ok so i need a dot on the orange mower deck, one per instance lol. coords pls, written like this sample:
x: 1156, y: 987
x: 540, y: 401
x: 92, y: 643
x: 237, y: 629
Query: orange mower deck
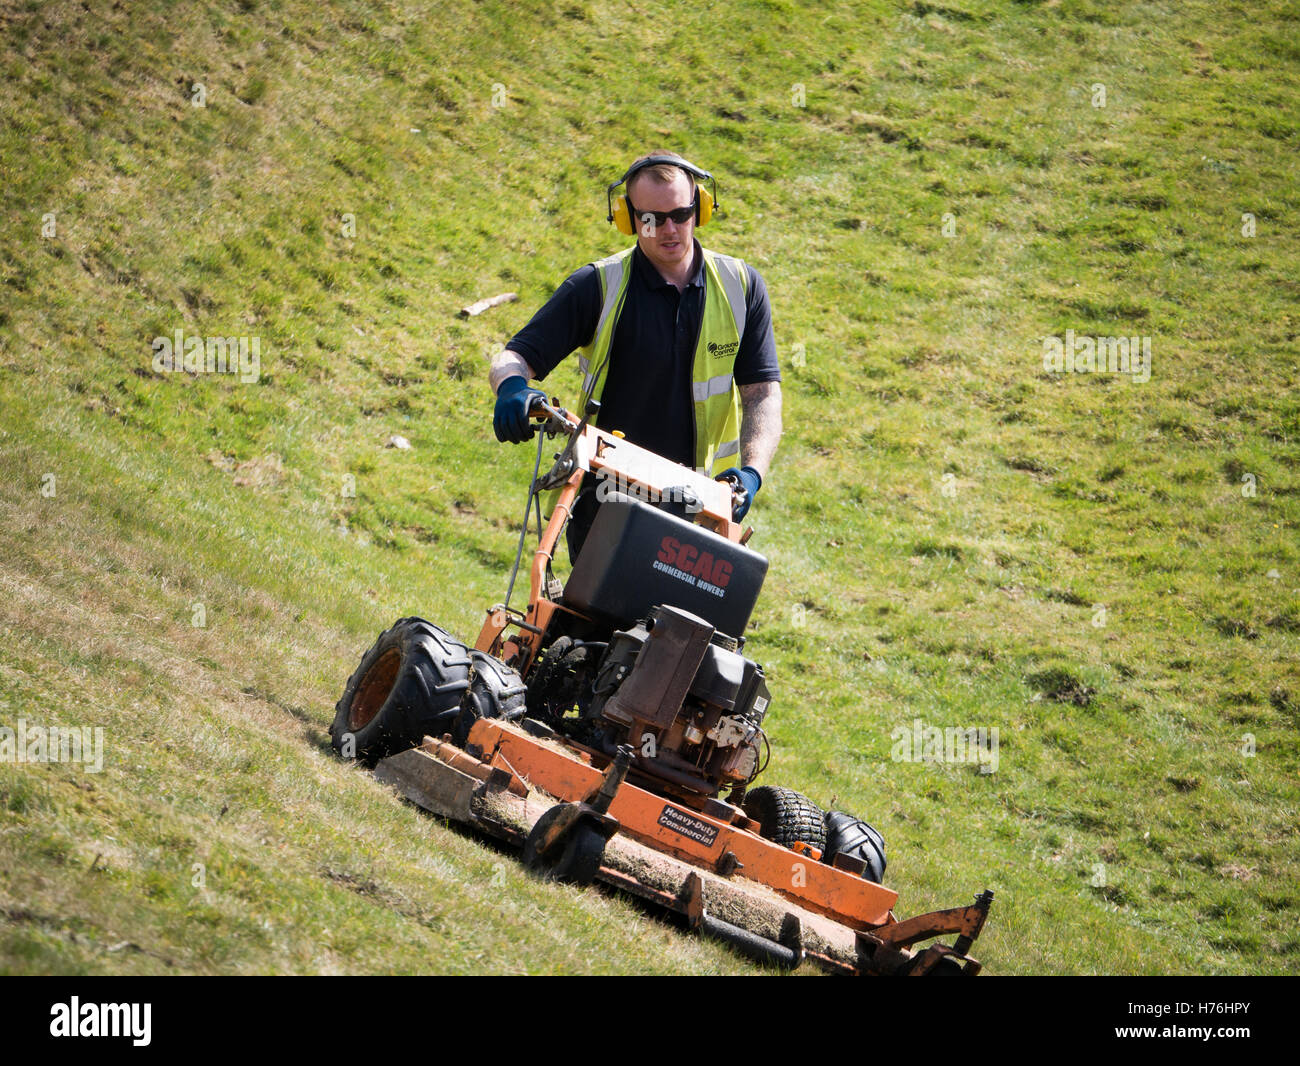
x: 774, y: 904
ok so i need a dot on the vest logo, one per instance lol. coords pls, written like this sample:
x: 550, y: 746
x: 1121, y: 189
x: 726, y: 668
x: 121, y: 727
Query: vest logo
x: 720, y: 351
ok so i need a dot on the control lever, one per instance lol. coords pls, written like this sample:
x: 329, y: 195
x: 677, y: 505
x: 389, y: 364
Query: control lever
x: 592, y: 410
x: 540, y: 407
x: 565, y: 463
x: 738, y: 493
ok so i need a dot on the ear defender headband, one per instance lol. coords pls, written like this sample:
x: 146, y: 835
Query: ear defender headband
x: 706, y: 202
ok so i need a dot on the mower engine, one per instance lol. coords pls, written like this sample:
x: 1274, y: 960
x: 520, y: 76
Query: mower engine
x: 684, y: 698
x: 655, y: 664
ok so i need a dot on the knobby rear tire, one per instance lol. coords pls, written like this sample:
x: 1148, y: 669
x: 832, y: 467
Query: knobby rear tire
x: 411, y: 683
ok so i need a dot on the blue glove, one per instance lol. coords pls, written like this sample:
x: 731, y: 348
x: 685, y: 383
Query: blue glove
x: 510, y: 419
x: 748, y: 479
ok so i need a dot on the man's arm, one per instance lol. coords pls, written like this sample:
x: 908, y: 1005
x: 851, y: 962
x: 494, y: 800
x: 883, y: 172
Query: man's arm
x: 565, y: 322
x: 760, y: 424
x: 508, y: 364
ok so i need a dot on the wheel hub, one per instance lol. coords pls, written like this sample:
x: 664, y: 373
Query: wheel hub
x: 373, y: 691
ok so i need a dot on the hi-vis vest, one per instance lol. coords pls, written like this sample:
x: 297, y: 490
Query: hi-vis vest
x: 715, y: 395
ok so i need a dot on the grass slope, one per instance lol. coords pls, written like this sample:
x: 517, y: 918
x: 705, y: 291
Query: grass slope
x: 1106, y: 571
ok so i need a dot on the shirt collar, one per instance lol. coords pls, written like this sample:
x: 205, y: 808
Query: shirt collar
x: 654, y: 280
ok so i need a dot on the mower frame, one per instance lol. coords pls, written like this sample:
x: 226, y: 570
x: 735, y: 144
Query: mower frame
x: 579, y: 818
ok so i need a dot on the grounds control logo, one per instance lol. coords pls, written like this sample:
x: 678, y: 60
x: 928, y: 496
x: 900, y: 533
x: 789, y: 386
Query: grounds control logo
x: 720, y: 350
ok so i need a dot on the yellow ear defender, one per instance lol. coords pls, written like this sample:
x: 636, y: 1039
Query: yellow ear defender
x: 706, y: 201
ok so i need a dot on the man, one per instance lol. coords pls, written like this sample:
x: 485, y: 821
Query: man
x: 677, y: 342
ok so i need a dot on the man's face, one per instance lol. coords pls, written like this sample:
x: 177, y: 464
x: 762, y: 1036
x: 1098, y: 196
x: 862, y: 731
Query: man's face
x: 668, y: 245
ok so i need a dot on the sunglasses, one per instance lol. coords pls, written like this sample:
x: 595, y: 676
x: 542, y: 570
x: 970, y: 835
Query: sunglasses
x: 680, y: 215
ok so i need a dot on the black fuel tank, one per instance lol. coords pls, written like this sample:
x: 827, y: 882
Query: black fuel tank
x: 637, y: 556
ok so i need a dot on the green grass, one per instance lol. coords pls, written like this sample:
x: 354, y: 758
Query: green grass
x: 1106, y: 571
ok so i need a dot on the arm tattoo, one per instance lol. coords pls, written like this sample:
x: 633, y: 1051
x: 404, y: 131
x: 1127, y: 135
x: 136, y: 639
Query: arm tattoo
x: 760, y: 426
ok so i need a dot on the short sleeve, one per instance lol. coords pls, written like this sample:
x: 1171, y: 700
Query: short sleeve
x: 757, y: 359
x: 566, y: 322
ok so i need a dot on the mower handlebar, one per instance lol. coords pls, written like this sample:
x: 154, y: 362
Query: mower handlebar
x: 559, y: 420
x: 539, y: 408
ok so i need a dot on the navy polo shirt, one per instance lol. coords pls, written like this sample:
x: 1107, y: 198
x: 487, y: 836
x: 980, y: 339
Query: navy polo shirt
x: 647, y: 390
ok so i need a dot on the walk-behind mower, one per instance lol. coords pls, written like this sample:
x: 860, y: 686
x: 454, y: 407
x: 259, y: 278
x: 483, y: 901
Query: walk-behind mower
x: 600, y: 729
